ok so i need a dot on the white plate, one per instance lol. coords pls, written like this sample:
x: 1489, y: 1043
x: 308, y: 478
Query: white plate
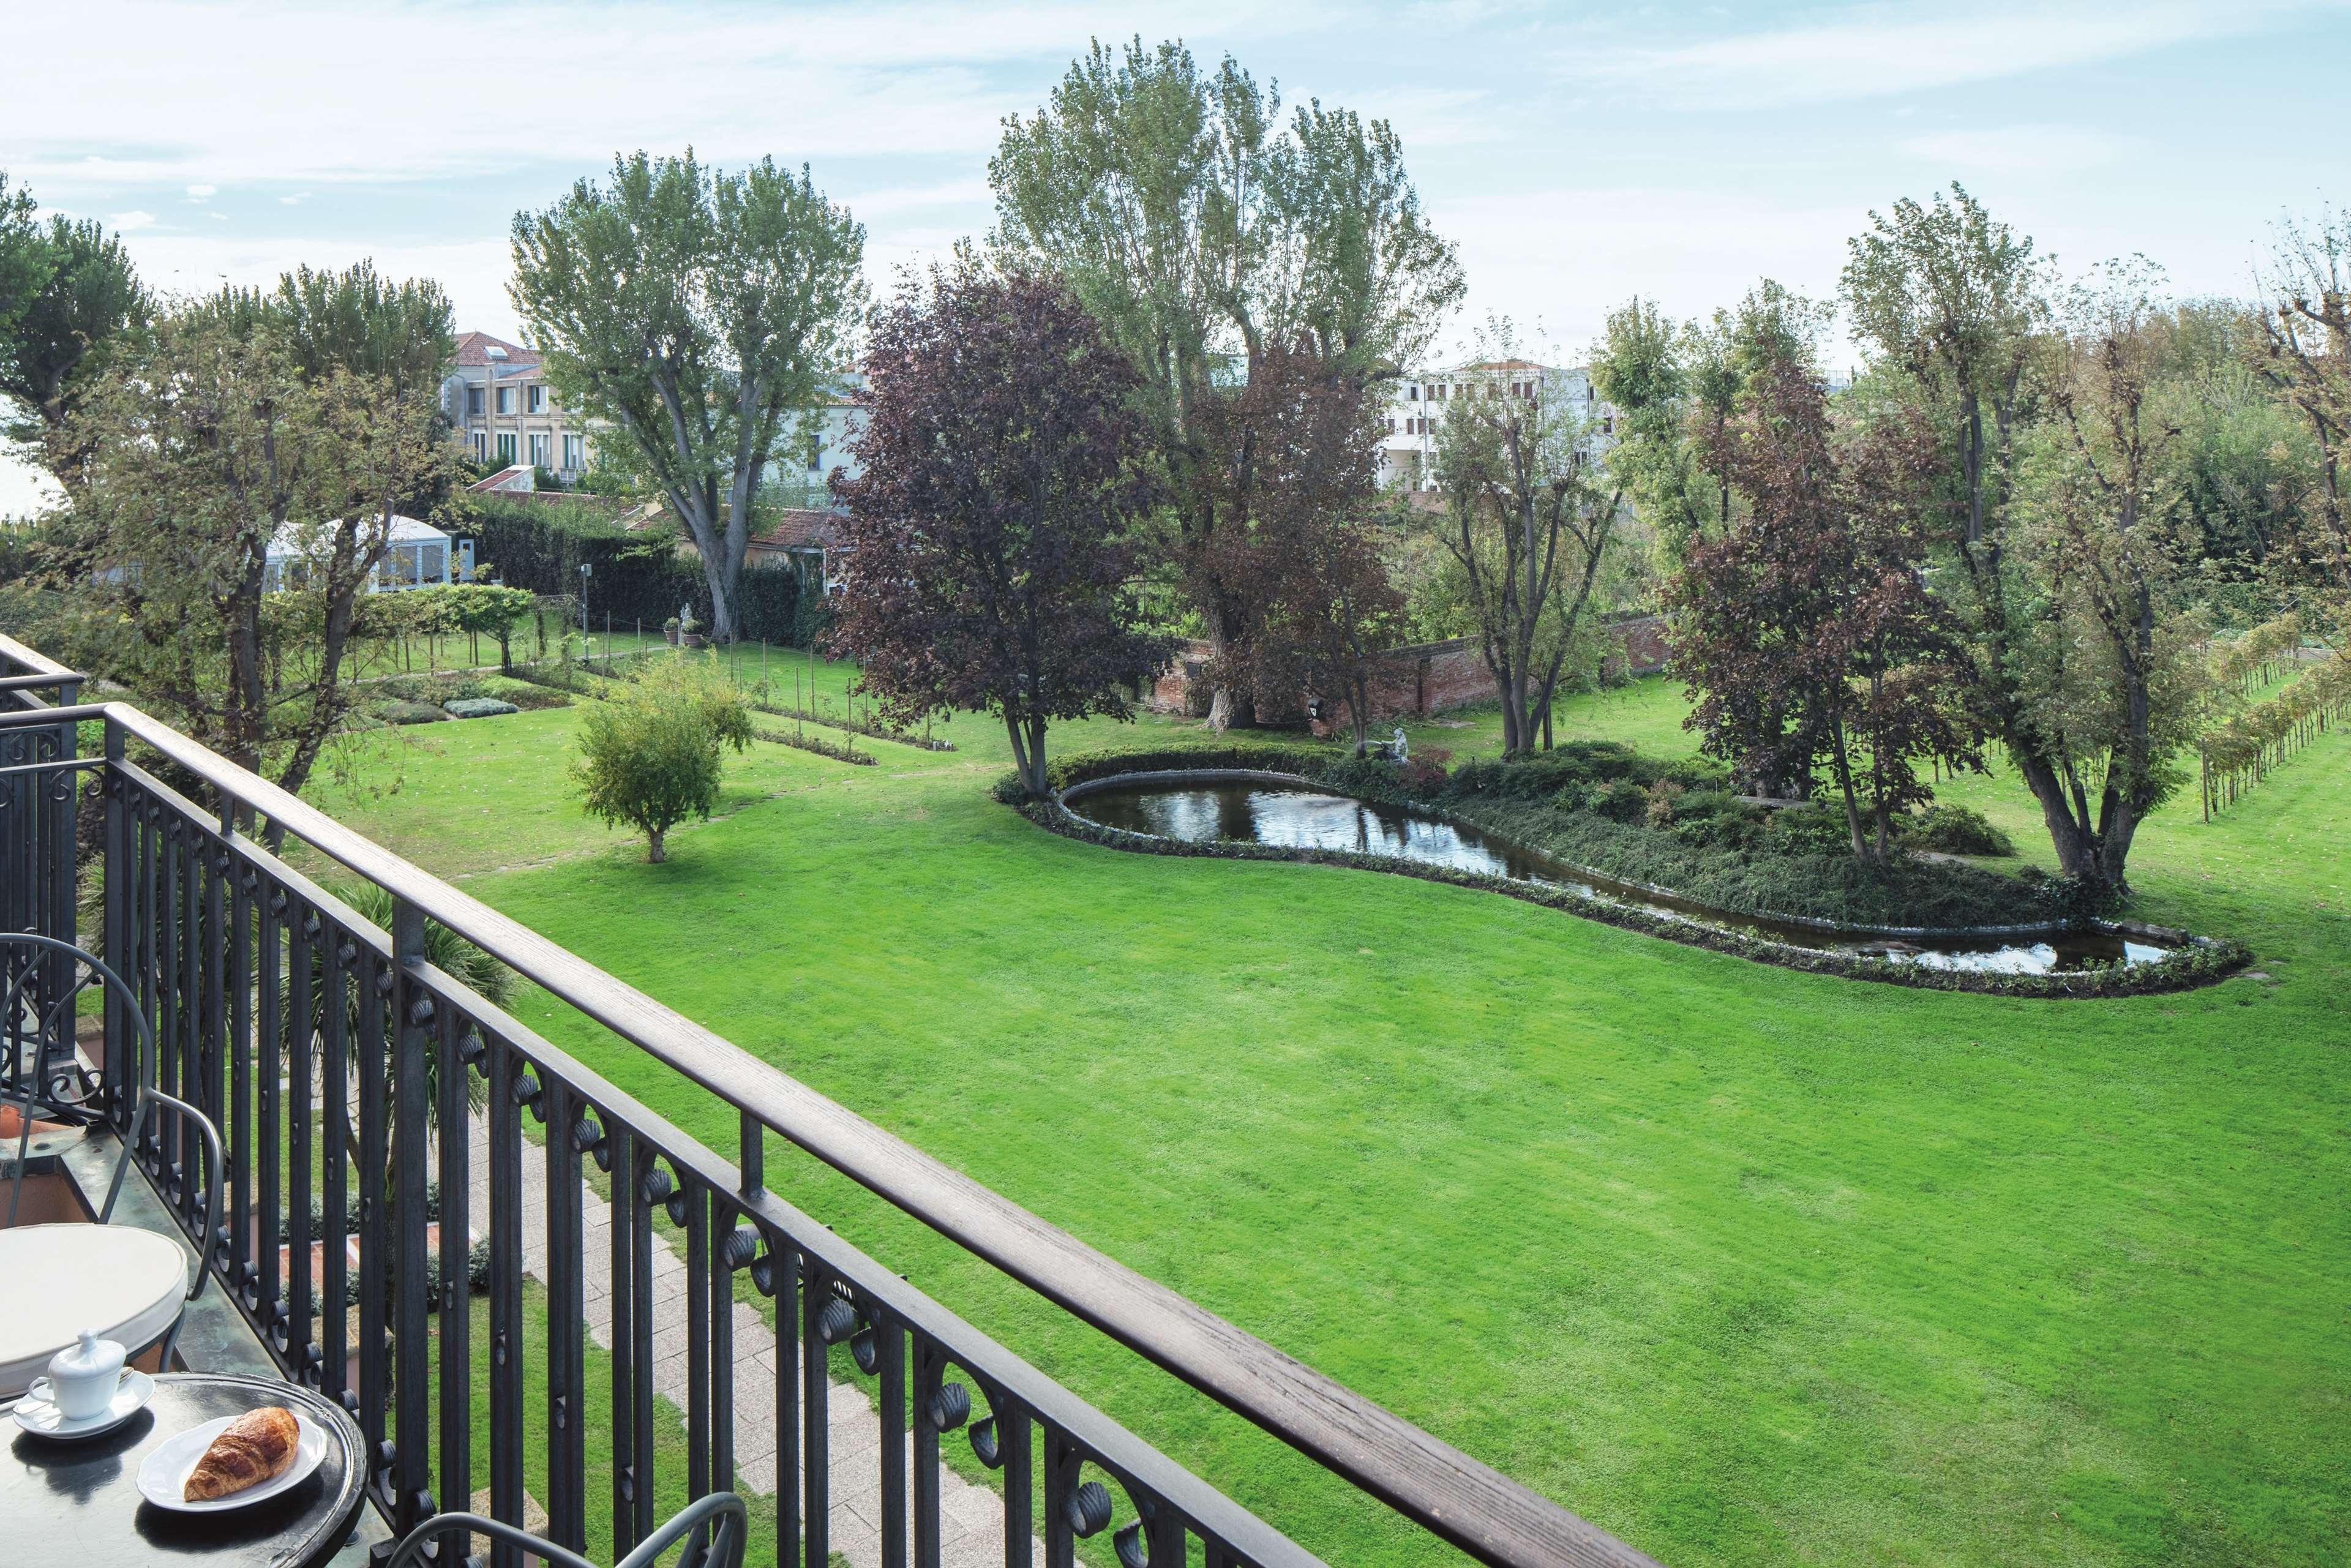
x: 38, y: 1416
x: 164, y: 1478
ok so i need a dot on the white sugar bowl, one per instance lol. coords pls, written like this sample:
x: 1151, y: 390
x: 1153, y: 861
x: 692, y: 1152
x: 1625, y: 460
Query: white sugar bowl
x: 83, y: 1378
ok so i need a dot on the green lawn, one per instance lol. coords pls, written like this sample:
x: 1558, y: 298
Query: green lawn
x: 1744, y: 1265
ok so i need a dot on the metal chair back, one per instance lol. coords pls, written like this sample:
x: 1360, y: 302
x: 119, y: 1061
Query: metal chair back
x: 44, y: 1080
x: 718, y: 1522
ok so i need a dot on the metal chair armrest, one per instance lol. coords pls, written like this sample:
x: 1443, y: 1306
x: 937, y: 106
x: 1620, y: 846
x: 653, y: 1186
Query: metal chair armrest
x: 727, y: 1542
x: 412, y: 1546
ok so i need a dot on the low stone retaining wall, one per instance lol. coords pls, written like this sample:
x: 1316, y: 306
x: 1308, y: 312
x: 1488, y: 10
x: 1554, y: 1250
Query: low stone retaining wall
x: 2198, y: 961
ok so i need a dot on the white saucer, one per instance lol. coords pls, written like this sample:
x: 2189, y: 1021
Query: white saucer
x: 36, y: 1415
x: 164, y: 1478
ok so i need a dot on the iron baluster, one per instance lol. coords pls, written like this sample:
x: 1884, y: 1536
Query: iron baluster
x: 301, y: 1003
x: 334, y: 1157
x: 621, y: 1160
x: 452, y: 1116
x: 816, y: 1385
x: 240, y: 1126
x: 890, y: 1398
x: 375, y: 979
x: 409, y: 1036
x: 270, y: 1093
x: 509, y: 1076
x: 570, y: 1131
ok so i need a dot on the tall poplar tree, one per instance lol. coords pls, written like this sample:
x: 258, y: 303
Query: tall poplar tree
x: 702, y: 314
x: 1204, y: 230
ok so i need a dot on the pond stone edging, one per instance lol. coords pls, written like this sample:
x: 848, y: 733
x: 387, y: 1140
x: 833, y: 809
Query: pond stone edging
x: 2198, y: 961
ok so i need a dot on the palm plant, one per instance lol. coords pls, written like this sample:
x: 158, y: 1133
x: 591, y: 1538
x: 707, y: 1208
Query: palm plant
x: 446, y: 951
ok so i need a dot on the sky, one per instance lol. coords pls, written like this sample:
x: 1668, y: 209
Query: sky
x: 1577, y: 154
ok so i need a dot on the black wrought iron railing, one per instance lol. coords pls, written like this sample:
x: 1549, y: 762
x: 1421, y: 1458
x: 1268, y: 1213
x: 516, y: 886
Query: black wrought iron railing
x: 328, y: 1048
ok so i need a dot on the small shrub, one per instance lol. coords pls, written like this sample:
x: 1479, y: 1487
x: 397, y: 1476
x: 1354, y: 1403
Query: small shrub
x: 1811, y: 829
x: 524, y: 694
x: 1953, y: 830
x: 1622, y: 801
x: 649, y: 757
x: 394, y: 711
x: 479, y: 708
x: 1700, y: 805
x: 1663, y: 796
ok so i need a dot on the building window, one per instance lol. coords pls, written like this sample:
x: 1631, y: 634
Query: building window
x: 473, y: 402
x: 538, y: 449
x: 537, y: 398
x: 1412, y: 394
x: 505, y: 399
x: 506, y: 447
x: 1392, y: 427
x: 481, y: 445
x: 574, y: 453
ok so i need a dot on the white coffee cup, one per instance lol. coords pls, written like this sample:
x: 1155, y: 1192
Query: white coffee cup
x: 82, y: 1377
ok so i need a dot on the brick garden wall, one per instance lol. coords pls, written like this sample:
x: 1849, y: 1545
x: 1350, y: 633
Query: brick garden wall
x: 1422, y: 679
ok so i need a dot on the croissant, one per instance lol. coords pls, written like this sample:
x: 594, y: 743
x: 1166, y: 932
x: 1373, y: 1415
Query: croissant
x: 255, y: 1447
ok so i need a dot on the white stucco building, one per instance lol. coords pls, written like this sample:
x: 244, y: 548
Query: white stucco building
x: 1418, y: 401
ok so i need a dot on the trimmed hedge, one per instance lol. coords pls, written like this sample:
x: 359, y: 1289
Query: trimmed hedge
x: 1765, y: 881
x: 634, y: 577
x: 2202, y: 963
x: 478, y: 707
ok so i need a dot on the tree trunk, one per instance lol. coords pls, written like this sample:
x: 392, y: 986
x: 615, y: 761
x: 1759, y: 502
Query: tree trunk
x: 1844, y: 786
x: 1036, y: 755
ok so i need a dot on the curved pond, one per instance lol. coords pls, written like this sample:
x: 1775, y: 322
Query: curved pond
x: 1296, y: 817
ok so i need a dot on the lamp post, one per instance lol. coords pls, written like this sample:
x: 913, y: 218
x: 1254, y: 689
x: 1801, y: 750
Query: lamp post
x: 584, y: 606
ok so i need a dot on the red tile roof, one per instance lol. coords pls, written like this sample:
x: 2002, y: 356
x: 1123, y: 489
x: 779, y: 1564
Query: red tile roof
x: 504, y: 480
x: 472, y: 346
x: 799, y: 529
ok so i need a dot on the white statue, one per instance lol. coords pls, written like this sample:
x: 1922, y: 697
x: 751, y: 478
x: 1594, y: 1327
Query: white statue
x: 1402, y: 752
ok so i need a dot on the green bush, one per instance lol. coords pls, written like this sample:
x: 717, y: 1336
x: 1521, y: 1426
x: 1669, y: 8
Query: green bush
x: 1741, y: 870
x: 1620, y: 801
x: 393, y: 710
x: 479, y: 708
x: 524, y: 694
x: 1953, y: 830
x: 1814, y: 830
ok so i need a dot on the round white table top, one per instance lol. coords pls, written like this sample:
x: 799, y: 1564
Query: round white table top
x: 58, y: 1280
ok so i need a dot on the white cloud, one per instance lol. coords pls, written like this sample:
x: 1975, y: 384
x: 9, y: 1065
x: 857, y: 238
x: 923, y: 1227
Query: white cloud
x: 920, y: 198
x: 293, y: 201
x: 735, y: 82
x: 130, y: 223
x: 198, y: 193
x: 2020, y: 149
x: 1577, y: 253
x: 1879, y: 49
